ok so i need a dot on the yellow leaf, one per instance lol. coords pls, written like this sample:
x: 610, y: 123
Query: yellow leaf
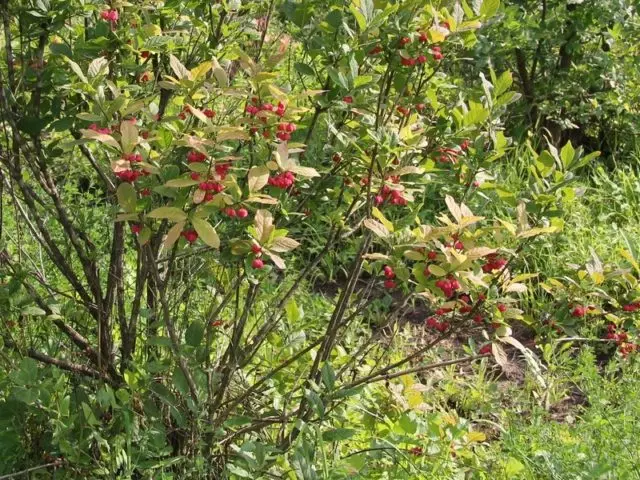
x: 378, y: 214
x: 206, y: 232
x: 172, y: 235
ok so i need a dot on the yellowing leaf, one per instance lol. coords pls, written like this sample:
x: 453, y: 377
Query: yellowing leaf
x: 376, y: 227
x: 127, y: 197
x: 198, y: 114
x: 129, y: 136
x: 232, y: 133
x: 283, y: 244
x: 258, y: 177
x: 454, y: 208
x: 378, y: 214
x: 178, y: 68
x: 206, y: 232
x: 479, y: 252
x: 101, y: 137
x: 437, y: 271
x: 201, y: 70
x: 304, y: 171
x: 180, y: 182
x: 277, y: 261
x: 220, y: 74
x: 172, y: 235
x: 168, y: 213
x: 476, y: 437
x: 263, y: 222
x: 537, y: 231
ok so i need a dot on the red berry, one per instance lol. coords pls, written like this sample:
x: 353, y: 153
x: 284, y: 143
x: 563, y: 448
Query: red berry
x: 190, y: 235
x: 242, y: 213
x: 389, y: 284
x: 502, y: 307
x: 579, y: 311
x: 136, y: 228
x: 347, y: 99
x: 404, y: 40
x: 230, y: 212
x: 485, y: 349
x: 257, y: 263
x: 255, y: 248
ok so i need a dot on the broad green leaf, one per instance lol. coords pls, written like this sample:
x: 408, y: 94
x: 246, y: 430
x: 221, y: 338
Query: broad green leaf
x: 194, y: 334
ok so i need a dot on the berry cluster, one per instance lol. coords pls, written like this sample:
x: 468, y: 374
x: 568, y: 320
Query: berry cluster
x: 448, y: 286
x: 285, y: 130
x: 284, y: 180
x: 632, y: 307
x: 254, y: 108
x: 435, y: 324
x: 132, y: 157
x: 389, y: 275
x: 196, y: 157
x: 130, y: 175
x: 211, y: 186
x: 622, y: 340
x: 494, y: 262
x: 109, y: 16
x: 240, y: 213
x: 394, y: 197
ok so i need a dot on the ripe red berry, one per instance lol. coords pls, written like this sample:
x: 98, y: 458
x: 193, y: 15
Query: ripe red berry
x: 230, y: 212
x: 145, y: 54
x: 190, y: 235
x: 388, y: 272
x: 347, y: 99
x: 337, y: 158
x: 404, y: 40
x: 136, y: 228
x: 255, y: 248
x: 242, y: 213
x: 389, y: 284
x: 257, y: 263
x: 477, y: 318
x: 375, y: 50
x: 502, y: 307
x: 423, y: 38
x: 485, y: 349
x: 579, y: 311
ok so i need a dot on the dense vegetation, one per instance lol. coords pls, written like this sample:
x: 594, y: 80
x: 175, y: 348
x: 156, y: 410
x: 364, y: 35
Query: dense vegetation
x: 319, y: 239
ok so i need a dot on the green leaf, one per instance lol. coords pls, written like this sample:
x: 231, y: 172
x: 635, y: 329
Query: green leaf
x: 206, y: 232
x: 194, y: 334
x: 294, y: 313
x: 567, y: 154
x: 76, y: 69
x: 489, y: 7
x: 304, y: 69
x: 168, y: 213
x: 36, y: 311
x: 338, y: 78
x: 338, y: 434
x: 127, y: 197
